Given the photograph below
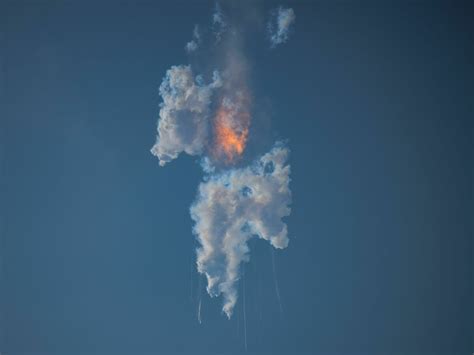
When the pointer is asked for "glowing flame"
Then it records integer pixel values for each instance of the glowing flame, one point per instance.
(231, 142)
(231, 129)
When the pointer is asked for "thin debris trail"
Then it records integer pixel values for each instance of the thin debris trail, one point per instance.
(277, 289)
(199, 311)
(245, 311)
(255, 296)
(260, 297)
(191, 283)
(238, 324)
(200, 301)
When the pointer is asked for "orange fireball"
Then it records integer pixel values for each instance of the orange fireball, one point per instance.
(231, 130)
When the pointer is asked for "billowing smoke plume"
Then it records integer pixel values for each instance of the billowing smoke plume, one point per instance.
(184, 115)
(231, 208)
(279, 25)
(210, 115)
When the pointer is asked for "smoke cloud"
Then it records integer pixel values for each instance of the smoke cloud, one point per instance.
(210, 115)
(279, 25)
(184, 115)
(231, 208)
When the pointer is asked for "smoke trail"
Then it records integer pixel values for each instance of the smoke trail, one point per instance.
(238, 324)
(255, 295)
(199, 310)
(257, 299)
(200, 301)
(245, 310)
(277, 289)
(191, 280)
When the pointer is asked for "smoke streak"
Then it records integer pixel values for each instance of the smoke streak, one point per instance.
(242, 196)
(245, 309)
(238, 324)
(275, 280)
(191, 280)
(199, 310)
(200, 300)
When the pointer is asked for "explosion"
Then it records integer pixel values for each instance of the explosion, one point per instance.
(231, 128)
(210, 116)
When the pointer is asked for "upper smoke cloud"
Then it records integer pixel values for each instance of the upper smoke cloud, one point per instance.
(183, 125)
(231, 208)
(279, 25)
(212, 119)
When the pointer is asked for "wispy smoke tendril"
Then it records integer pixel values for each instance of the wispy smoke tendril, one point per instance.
(193, 45)
(280, 24)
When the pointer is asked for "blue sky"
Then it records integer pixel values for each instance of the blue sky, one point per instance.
(96, 238)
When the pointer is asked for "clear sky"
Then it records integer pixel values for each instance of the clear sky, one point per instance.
(97, 249)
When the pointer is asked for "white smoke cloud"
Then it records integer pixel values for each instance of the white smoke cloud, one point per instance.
(280, 24)
(183, 125)
(230, 209)
(193, 45)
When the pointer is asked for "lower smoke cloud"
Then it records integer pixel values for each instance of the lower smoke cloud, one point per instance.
(231, 208)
